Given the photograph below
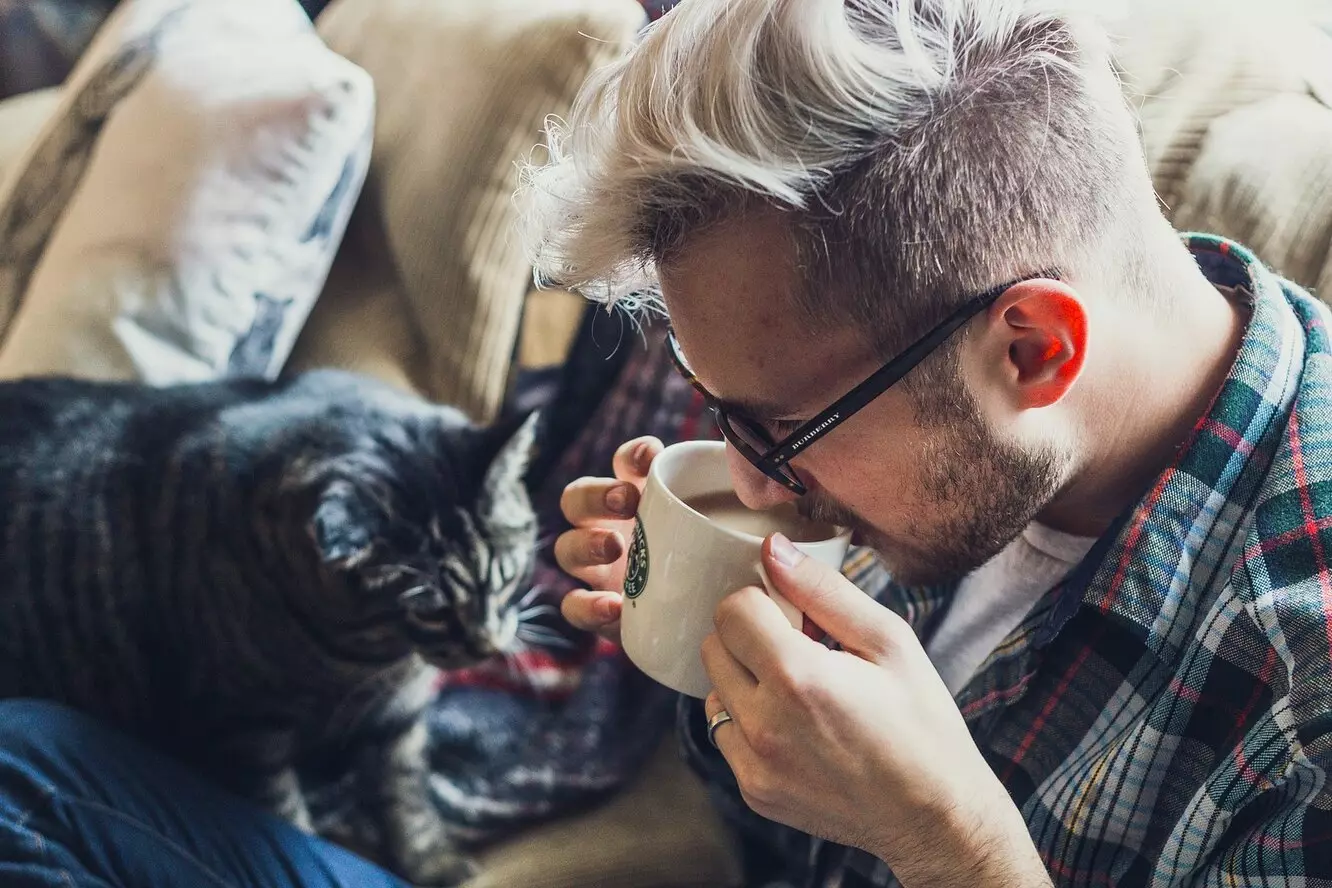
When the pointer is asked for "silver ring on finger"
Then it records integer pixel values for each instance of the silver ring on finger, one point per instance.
(721, 718)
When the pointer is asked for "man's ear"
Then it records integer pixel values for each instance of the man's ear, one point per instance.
(343, 526)
(1044, 323)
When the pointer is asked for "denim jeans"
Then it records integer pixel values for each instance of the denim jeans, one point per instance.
(83, 806)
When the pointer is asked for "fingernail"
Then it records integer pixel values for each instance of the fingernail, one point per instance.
(643, 457)
(609, 547)
(606, 608)
(784, 552)
(617, 500)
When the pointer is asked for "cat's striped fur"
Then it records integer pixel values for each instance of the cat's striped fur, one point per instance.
(254, 575)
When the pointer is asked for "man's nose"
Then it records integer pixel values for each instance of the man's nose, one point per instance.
(755, 489)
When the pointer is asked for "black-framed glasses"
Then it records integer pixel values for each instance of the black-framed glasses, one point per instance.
(748, 436)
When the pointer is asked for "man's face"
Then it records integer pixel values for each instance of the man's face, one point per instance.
(936, 497)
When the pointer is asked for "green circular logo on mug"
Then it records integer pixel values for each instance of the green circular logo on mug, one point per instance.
(636, 571)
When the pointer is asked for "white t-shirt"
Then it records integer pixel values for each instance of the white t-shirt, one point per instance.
(993, 600)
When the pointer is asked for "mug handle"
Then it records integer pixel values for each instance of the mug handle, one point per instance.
(794, 616)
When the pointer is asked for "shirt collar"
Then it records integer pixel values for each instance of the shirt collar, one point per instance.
(1142, 569)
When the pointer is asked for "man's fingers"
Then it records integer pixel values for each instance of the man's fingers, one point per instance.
(634, 458)
(589, 501)
(608, 577)
(589, 551)
(755, 631)
(729, 737)
(590, 611)
(855, 620)
(731, 681)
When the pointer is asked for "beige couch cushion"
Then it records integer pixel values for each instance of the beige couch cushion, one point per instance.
(463, 89)
(1235, 109)
(363, 320)
(1186, 62)
(1263, 175)
(659, 832)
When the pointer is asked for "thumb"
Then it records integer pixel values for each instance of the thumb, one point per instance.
(857, 622)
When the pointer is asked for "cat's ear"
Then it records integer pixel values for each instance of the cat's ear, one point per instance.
(342, 526)
(504, 502)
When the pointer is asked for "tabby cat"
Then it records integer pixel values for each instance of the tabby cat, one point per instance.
(253, 576)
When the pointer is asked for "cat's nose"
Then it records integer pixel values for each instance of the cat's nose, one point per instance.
(483, 647)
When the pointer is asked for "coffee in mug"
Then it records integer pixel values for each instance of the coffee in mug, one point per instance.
(724, 507)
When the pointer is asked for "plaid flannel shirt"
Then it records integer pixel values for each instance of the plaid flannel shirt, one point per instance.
(1164, 715)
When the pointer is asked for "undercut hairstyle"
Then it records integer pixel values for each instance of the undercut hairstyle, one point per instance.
(921, 152)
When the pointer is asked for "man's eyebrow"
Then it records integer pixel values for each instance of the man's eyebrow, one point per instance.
(755, 408)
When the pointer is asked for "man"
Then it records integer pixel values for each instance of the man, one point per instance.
(1093, 455)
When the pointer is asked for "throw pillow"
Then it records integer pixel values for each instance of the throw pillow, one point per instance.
(463, 90)
(1264, 176)
(1188, 62)
(176, 218)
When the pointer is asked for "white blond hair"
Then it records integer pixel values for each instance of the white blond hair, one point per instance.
(922, 148)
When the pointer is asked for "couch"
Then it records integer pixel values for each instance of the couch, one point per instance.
(429, 290)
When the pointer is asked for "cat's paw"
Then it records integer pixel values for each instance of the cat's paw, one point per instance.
(437, 865)
(422, 851)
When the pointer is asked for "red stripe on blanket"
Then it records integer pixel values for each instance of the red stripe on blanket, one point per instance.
(531, 673)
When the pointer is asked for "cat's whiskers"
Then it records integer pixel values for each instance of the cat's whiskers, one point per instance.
(518, 668)
(414, 572)
(413, 592)
(532, 595)
(543, 637)
(537, 630)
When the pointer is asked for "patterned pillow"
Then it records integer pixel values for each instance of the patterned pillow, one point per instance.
(177, 217)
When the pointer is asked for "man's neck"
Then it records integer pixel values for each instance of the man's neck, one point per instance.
(1157, 379)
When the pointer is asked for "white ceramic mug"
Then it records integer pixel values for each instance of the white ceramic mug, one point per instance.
(681, 565)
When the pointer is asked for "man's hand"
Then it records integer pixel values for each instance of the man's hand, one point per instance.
(601, 511)
(863, 746)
